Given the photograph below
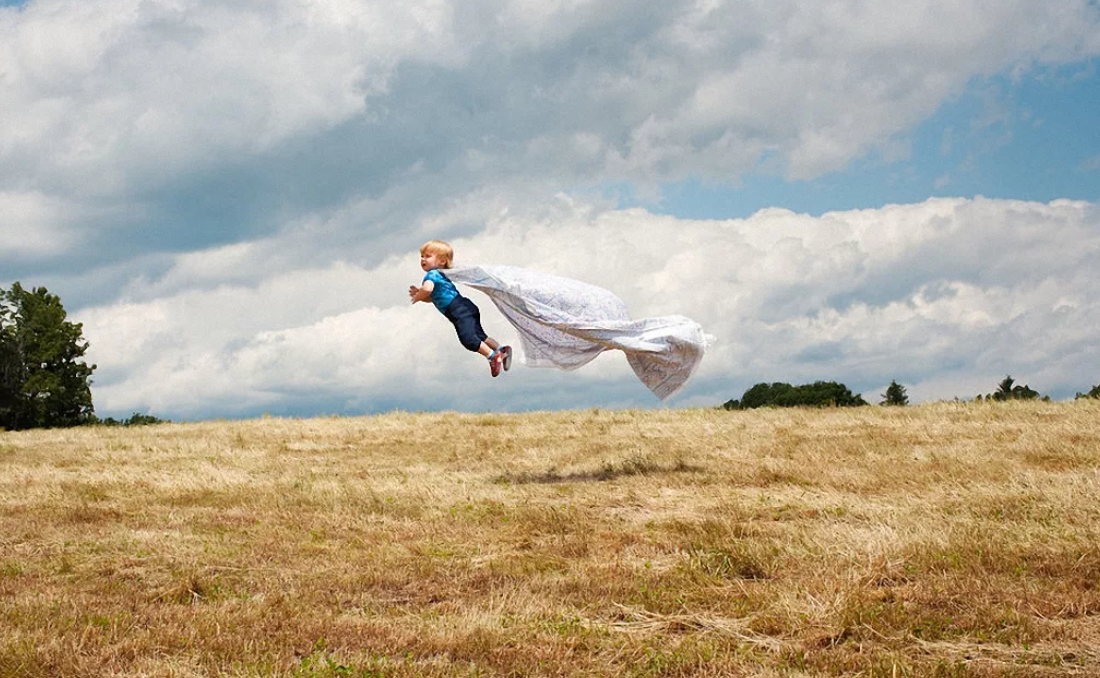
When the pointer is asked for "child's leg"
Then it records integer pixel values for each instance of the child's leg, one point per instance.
(467, 321)
(488, 347)
(495, 347)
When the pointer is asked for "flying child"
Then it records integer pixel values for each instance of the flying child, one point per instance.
(435, 257)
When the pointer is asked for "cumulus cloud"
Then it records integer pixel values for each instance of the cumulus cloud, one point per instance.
(940, 295)
(33, 225)
(131, 92)
(225, 121)
(228, 193)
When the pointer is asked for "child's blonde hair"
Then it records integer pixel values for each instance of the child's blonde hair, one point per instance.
(440, 249)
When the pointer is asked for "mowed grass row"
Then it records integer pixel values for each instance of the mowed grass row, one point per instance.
(947, 539)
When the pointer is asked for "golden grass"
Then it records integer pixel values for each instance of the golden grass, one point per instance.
(946, 539)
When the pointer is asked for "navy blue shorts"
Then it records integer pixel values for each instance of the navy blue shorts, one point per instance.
(466, 318)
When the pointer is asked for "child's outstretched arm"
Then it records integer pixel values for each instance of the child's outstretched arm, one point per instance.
(422, 293)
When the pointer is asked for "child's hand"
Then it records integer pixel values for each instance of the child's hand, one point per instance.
(422, 293)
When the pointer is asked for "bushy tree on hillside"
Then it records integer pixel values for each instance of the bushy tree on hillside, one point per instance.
(136, 419)
(1008, 389)
(895, 395)
(1094, 393)
(780, 394)
(43, 381)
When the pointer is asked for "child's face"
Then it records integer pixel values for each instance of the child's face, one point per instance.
(430, 261)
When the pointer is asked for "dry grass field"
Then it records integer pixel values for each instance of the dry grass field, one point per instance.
(940, 540)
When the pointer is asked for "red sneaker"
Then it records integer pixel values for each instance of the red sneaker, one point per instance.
(506, 351)
(495, 363)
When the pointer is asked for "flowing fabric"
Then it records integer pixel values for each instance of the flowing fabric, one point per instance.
(565, 323)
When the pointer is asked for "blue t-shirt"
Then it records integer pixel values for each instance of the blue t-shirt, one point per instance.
(444, 291)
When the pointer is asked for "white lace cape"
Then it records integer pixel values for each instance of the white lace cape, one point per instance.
(566, 323)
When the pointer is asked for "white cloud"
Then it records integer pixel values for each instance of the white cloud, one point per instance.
(105, 95)
(935, 294)
(33, 224)
(276, 108)
(227, 185)
(823, 85)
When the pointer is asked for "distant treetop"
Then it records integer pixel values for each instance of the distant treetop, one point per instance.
(1008, 389)
(895, 395)
(1094, 393)
(44, 381)
(780, 394)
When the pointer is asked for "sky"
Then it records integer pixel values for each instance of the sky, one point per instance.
(230, 195)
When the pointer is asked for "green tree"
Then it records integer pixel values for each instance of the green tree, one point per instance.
(1004, 389)
(11, 364)
(763, 394)
(137, 419)
(43, 381)
(1008, 389)
(780, 394)
(1094, 393)
(895, 395)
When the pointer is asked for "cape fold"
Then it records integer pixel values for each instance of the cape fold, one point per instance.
(565, 323)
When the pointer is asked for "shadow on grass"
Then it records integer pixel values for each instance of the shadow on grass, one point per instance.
(611, 471)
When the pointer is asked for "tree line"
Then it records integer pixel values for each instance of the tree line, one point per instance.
(45, 383)
(833, 394)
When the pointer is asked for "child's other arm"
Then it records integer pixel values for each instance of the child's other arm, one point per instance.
(422, 293)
